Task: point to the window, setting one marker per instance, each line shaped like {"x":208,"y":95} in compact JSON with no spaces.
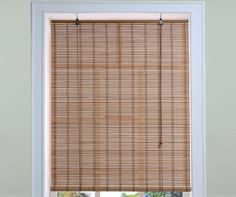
{"x":120,"y":194}
{"x":111,"y":132}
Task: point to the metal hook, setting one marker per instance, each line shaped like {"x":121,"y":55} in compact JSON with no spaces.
{"x":160,"y":20}
{"x":77,"y":22}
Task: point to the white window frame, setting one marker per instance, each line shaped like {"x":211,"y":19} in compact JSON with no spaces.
{"x":40,"y":82}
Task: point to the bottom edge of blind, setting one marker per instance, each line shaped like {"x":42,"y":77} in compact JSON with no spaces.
{"x":118,"y":188}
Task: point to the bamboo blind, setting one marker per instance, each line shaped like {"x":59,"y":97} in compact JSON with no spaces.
{"x":120,"y":106}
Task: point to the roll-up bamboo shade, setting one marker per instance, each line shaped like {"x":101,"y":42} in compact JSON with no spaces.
{"x":120,"y":106}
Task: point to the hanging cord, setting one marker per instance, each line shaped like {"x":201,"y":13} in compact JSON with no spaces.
{"x":77,"y":22}
{"x":160,"y":78}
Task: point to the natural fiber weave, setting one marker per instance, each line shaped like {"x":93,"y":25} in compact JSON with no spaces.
{"x":118,"y":89}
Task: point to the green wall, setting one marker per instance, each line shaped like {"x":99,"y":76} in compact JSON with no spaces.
{"x":15,"y":105}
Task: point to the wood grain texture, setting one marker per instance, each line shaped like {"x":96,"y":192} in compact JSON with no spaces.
{"x":117,"y":90}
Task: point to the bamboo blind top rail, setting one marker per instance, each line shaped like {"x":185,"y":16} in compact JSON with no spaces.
{"x":119,"y":21}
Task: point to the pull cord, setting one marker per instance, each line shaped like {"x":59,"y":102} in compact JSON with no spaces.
{"x":160,"y":78}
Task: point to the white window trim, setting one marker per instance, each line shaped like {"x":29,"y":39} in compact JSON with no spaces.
{"x":40,"y":88}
